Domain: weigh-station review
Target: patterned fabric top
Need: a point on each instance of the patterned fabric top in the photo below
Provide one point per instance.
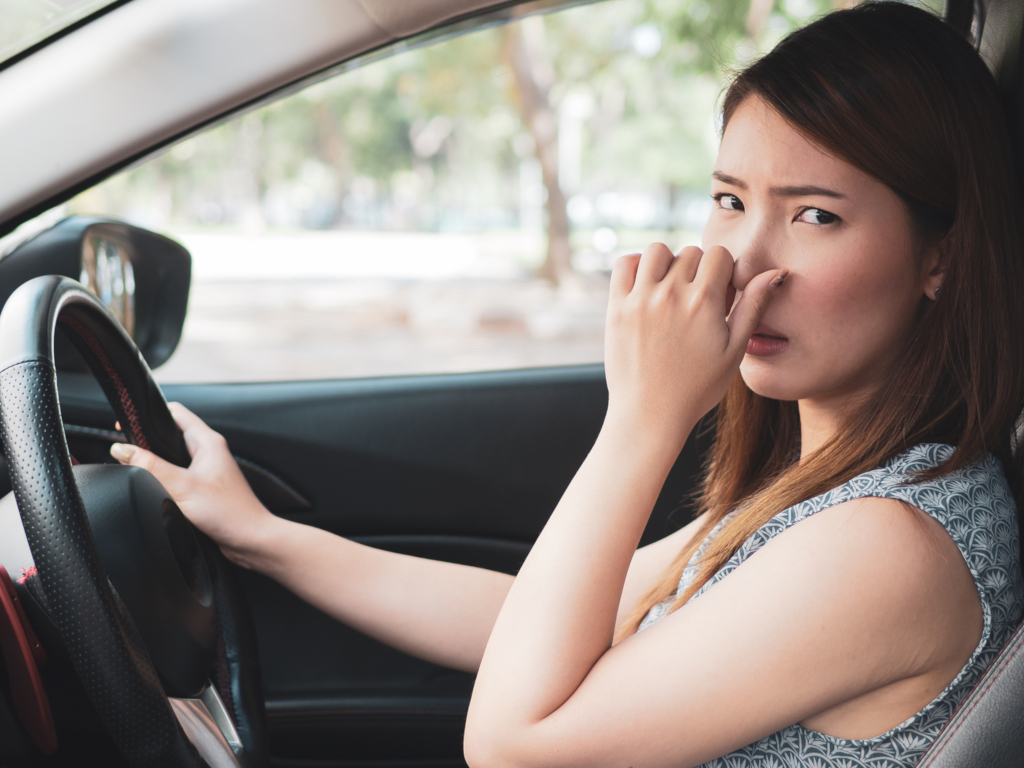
(977, 509)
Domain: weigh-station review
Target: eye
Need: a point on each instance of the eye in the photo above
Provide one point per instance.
(728, 202)
(816, 216)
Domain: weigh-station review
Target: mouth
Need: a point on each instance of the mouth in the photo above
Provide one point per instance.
(766, 341)
(768, 333)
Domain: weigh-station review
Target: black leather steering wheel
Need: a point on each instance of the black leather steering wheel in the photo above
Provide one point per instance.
(126, 681)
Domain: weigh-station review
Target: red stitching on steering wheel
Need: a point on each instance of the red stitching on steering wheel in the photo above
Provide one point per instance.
(122, 391)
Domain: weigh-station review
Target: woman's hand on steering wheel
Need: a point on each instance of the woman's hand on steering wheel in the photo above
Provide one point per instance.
(212, 492)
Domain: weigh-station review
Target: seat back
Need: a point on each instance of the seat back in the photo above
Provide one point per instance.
(987, 731)
(1000, 24)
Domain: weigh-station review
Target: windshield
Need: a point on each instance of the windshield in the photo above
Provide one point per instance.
(23, 23)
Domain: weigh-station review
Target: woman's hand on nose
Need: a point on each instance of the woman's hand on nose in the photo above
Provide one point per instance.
(670, 350)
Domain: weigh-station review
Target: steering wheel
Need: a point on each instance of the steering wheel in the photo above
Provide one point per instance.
(149, 610)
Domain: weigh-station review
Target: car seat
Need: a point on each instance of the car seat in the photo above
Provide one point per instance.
(987, 731)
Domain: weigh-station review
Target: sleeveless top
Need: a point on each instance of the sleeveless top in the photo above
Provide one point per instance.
(976, 508)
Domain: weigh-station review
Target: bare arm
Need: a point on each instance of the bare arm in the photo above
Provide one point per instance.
(670, 354)
(649, 564)
(851, 620)
(437, 611)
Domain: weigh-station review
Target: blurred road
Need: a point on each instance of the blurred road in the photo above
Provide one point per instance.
(338, 305)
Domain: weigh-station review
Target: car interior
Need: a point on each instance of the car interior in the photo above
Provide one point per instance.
(457, 467)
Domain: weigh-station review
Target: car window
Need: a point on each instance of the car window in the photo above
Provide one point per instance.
(23, 23)
(455, 207)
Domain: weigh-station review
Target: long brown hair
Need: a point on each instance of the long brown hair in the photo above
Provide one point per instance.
(897, 93)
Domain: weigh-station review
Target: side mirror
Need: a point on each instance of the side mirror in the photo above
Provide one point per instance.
(142, 278)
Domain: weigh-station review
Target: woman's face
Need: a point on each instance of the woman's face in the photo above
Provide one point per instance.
(856, 274)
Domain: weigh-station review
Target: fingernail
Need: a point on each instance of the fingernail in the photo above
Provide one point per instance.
(779, 279)
(122, 451)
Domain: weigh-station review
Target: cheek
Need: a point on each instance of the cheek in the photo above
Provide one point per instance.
(712, 233)
(861, 303)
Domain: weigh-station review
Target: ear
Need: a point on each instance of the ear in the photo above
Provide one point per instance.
(933, 268)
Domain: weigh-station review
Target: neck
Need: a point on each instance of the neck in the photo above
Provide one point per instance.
(820, 417)
(818, 423)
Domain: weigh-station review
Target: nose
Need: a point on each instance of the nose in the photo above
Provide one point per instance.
(744, 271)
(751, 246)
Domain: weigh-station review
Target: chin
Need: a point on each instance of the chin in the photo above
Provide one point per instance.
(768, 380)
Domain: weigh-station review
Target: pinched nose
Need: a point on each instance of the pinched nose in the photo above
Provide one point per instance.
(745, 271)
(754, 248)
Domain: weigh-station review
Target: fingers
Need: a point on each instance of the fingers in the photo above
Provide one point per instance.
(168, 474)
(196, 432)
(654, 263)
(198, 436)
(653, 266)
(624, 274)
(749, 310)
(185, 418)
(688, 262)
(658, 262)
(716, 268)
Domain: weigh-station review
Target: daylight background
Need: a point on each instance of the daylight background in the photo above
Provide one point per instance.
(454, 207)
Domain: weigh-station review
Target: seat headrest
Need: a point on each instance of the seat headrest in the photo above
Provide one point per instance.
(1000, 24)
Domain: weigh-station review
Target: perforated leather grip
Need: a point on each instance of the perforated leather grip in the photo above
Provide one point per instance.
(30, 318)
(101, 638)
(38, 307)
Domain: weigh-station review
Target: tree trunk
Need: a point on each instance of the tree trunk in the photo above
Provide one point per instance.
(757, 15)
(524, 53)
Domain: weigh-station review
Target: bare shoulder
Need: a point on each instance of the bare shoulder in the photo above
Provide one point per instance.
(898, 539)
(847, 622)
(900, 568)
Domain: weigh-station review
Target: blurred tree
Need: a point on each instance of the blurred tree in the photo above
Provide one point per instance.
(525, 51)
(426, 139)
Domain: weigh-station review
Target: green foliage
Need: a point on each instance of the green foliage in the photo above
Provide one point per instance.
(431, 138)
(23, 23)
(702, 34)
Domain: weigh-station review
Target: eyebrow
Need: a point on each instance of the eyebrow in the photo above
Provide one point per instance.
(802, 190)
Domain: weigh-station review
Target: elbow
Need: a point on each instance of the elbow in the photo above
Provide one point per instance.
(480, 751)
(491, 748)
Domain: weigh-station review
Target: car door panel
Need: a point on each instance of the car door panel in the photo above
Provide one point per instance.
(464, 468)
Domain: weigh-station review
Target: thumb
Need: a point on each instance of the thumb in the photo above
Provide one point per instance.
(752, 305)
(168, 474)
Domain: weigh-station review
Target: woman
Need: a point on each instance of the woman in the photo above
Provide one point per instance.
(859, 271)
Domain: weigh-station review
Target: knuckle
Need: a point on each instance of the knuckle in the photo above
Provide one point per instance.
(654, 248)
(700, 294)
(624, 263)
(661, 299)
(719, 252)
(667, 291)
